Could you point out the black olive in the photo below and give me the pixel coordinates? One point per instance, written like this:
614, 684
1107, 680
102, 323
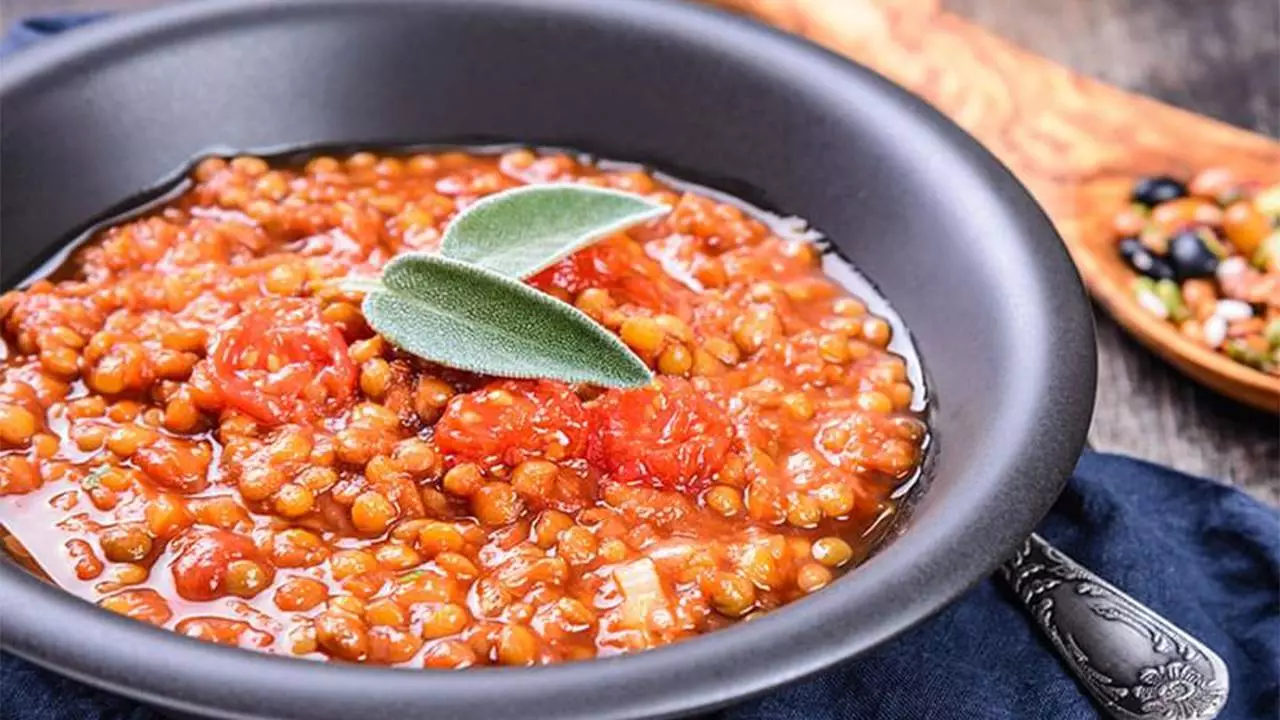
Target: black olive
1152, 191
1143, 260
1190, 256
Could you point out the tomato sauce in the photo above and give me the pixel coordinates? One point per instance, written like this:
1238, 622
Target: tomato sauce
199, 430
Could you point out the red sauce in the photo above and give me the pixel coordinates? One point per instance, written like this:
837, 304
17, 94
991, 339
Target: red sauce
198, 431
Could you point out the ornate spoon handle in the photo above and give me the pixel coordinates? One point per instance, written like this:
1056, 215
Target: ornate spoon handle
1136, 664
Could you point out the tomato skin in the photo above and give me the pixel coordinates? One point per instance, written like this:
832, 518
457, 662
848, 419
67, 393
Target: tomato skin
272, 361
142, 604
200, 569
587, 268
669, 435
619, 265
223, 631
511, 421
174, 465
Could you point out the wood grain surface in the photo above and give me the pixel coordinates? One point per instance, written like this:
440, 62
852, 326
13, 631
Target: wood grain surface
1221, 59
1216, 58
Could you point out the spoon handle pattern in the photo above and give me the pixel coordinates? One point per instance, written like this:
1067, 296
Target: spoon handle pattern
1135, 663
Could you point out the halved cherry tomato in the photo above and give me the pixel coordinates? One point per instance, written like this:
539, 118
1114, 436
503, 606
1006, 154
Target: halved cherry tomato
278, 361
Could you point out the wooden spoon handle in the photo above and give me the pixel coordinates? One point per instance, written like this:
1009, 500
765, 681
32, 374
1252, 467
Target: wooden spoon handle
1071, 139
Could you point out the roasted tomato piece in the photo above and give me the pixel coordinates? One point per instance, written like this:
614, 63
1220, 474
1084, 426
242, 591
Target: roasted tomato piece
214, 563
142, 604
670, 435
224, 631
278, 361
176, 464
619, 265
595, 266
512, 421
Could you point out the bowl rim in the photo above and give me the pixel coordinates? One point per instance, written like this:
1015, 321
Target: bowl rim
165, 669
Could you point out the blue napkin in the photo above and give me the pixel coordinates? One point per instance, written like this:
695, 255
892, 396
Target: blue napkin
32, 30
1202, 554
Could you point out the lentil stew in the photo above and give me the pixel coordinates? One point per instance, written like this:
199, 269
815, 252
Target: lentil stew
198, 429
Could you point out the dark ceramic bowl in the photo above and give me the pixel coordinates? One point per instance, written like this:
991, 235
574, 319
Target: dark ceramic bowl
954, 242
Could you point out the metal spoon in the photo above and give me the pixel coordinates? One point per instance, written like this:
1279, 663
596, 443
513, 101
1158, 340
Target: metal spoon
1136, 664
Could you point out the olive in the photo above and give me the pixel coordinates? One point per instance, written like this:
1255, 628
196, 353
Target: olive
1152, 191
1143, 260
1190, 256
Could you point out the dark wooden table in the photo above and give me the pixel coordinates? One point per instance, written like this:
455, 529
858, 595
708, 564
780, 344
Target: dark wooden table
1219, 58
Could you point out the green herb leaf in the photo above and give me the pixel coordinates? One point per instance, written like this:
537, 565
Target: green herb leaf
467, 317
521, 231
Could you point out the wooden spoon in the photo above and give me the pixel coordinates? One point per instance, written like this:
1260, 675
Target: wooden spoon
1076, 143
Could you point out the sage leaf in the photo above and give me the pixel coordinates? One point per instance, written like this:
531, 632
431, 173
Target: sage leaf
521, 231
471, 318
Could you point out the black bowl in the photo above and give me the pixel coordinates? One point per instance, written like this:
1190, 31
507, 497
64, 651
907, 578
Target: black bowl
954, 242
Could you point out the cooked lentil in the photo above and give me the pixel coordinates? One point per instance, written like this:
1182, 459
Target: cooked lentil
198, 431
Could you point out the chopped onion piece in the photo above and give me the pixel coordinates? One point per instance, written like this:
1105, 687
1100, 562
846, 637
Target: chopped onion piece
642, 592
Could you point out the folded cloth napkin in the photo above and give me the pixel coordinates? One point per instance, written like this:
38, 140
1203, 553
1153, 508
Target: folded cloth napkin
1204, 555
